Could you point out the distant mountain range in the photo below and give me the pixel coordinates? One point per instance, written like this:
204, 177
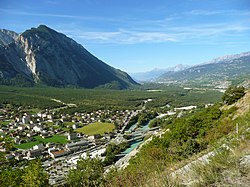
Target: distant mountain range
151, 76
43, 56
219, 72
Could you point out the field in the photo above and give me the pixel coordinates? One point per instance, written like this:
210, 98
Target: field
88, 100
4, 123
54, 139
27, 145
96, 128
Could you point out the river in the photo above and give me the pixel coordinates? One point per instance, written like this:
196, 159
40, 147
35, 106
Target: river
135, 144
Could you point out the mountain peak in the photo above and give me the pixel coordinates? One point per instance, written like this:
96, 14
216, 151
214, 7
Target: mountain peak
43, 27
49, 57
42, 30
7, 36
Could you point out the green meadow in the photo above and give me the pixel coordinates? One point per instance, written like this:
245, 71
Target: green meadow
54, 139
96, 128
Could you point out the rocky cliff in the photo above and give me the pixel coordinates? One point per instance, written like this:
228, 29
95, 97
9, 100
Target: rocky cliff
42, 55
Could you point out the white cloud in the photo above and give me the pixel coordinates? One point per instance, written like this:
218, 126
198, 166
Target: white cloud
172, 28
201, 12
127, 37
162, 35
210, 29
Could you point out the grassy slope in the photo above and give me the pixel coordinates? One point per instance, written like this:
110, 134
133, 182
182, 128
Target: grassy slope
155, 162
97, 128
227, 167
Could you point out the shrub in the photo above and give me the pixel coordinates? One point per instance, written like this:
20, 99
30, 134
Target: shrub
233, 94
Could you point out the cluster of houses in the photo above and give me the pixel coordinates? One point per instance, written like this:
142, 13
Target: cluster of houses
23, 127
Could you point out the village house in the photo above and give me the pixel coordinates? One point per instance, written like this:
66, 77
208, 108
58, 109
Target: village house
38, 146
50, 117
31, 134
37, 128
94, 137
74, 144
45, 134
57, 153
25, 119
72, 136
21, 127
75, 126
18, 155
36, 151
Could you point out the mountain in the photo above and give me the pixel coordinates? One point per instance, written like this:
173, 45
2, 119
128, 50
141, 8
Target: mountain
7, 37
219, 72
151, 76
42, 55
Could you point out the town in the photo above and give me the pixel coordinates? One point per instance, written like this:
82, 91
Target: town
57, 138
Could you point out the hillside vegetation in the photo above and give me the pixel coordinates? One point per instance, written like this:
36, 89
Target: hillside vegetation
208, 132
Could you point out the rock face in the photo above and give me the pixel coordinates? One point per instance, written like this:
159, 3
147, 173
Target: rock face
7, 37
42, 55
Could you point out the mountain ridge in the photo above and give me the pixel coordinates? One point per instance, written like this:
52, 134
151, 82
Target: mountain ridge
152, 75
42, 55
219, 72
227, 58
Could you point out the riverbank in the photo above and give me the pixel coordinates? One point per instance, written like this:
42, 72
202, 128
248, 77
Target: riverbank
124, 162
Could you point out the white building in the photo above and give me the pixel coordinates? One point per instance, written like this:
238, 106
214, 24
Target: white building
37, 129
39, 146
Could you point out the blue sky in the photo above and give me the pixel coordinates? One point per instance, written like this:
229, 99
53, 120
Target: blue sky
140, 35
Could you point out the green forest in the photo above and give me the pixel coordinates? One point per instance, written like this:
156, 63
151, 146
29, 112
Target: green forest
94, 99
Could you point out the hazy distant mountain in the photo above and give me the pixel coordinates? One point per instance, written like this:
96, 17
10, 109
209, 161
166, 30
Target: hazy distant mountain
42, 55
219, 72
155, 73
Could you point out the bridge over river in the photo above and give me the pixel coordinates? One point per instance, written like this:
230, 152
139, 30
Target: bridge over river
136, 140
140, 134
